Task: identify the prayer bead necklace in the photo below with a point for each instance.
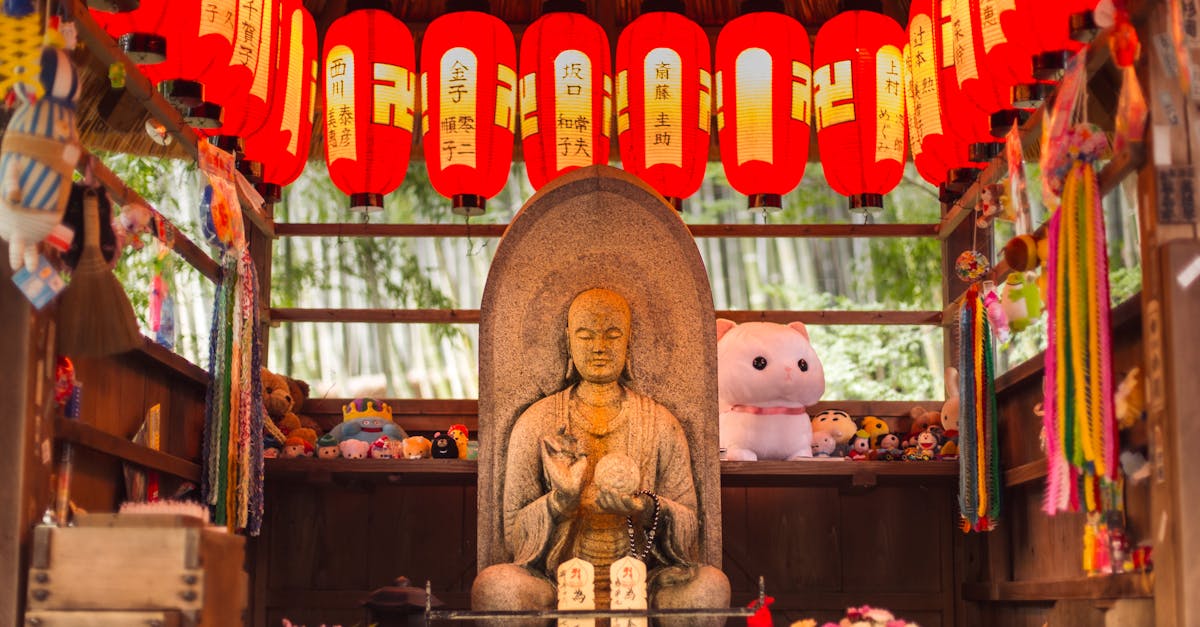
(651, 531)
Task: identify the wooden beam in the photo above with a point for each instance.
(166, 358)
(1025, 473)
(123, 194)
(296, 229)
(87, 436)
(471, 316)
(102, 46)
(1130, 585)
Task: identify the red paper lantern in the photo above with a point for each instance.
(858, 97)
(179, 43)
(282, 146)
(468, 107)
(369, 100)
(963, 122)
(991, 59)
(664, 102)
(1050, 42)
(764, 105)
(566, 95)
(243, 88)
(933, 147)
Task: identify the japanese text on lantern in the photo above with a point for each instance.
(945, 23)
(753, 104)
(216, 17)
(922, 80)
(833, 94)
(705, 110)
(339, 104)
(572, 109)
(664, 107)
(295, 82)
(964, 43)
(263, 60)
(889, 104)
(392, 94)
(912, 109)
(989, 21)
(460, 82)
(249, 33)
(506, 83)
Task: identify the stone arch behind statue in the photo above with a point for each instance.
(597, 227)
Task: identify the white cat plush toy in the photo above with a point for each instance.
(767, 376)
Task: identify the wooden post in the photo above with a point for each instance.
(261, 249)
(1170, 292)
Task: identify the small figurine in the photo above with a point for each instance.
(416, 447)
(271, 447)
(925, 449)
(297, 447)
(875, 427)
(460, 435)
(823, 444)
(380, 449)
(887, 448)
(353, 449)
(366, 419)
(860, 445)
(444, 446)
(327, 447)
(838, 423)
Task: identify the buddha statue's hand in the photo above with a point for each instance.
(565, 470)
(614, 502)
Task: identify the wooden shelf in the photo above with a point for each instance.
(87, 436)
(862, 474)
(1130, 585)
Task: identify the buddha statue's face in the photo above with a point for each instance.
(598, 325)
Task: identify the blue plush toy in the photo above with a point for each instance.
(366, 419)
(37, 158)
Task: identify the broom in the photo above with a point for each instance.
(95, 317)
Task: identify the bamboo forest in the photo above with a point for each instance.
(439, 360)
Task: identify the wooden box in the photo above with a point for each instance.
(137, 570)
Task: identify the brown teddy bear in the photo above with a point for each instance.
(922, 420)
(280, 396)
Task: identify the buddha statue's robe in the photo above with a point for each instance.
(643, 430)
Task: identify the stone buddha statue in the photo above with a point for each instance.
(598, 471)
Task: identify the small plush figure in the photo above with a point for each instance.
(327, 447)
(875, 427)
(767, 375)
(459, 433)
(38, 153)
(1130, 399)
(444, 446)
(366, 419)
(416, 447)
(837, 422)
(354, 449)
(887, 448)
(380, 449)
(271, 447)
(1021, 301)
(921, 419)
(925, 448)
(860, 445)
(823, 444)
(297, 447)
(949, 416)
